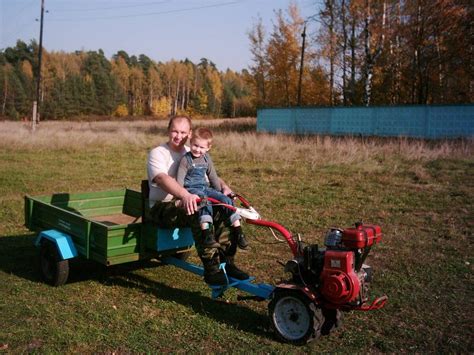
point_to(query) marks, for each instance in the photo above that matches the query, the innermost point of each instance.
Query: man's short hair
(203, 133)
(179, 118)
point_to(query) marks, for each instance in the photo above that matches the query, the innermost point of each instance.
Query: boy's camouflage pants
(167, 215)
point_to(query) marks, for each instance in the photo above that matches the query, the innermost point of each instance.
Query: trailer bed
(105, 226)
(117, 219)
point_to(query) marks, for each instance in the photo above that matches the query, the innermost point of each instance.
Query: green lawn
(424, 203)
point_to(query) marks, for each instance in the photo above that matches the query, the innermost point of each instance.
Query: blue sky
(163, 30)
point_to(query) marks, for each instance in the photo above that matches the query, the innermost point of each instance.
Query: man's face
(199, 147)
(178, 134)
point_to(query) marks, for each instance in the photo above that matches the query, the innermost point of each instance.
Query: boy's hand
(226, 190)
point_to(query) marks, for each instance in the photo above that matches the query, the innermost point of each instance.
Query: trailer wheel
(295, 319)
(54, 271)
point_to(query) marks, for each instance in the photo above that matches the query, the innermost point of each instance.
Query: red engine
(325, 281)
(340, 282)
(344, 278)
(338, 273)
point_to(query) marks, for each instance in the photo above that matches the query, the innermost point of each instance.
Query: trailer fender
(63, 242)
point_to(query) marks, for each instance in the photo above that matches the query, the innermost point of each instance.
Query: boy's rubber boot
(208, 239)
(242, 242)
(238, 236)
(213, 275)
(234, 271)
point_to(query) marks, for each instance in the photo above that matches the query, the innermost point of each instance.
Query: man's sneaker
(235, 272)
(215, 278)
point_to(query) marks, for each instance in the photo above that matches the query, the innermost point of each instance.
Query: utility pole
(36, 104)
(301, 64)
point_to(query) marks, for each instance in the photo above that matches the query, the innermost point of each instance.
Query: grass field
(420, 192)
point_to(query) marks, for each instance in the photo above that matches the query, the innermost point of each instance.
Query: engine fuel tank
(361, 236)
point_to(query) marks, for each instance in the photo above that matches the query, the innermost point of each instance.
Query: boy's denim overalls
(196, 183)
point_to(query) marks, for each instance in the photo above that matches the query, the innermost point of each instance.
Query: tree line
(357, 52)
(87, 83)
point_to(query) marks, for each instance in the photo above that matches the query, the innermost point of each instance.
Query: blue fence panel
(395, 121)
(311, 122)
(277, 120)
(446, 122)
(411, 121)
(347, 120)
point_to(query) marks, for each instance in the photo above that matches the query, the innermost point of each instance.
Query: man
(173, 206)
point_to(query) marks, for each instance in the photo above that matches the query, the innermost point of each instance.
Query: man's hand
(169, 184)
(189, 203)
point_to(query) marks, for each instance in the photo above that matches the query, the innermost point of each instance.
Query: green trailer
(106, 227)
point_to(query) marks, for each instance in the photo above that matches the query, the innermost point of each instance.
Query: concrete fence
(437, 121)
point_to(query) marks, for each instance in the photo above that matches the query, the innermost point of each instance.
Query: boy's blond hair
(203, 133)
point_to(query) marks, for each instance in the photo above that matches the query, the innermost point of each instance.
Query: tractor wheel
(294, 317)
(54, 271)
(332, 320)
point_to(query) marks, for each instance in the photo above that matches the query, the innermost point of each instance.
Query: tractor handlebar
(251, 216)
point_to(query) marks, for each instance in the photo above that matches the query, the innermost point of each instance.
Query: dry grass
(238, 137)
(342, 149)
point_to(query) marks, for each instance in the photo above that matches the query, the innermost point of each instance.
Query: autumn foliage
(357, 52)
(366, 52)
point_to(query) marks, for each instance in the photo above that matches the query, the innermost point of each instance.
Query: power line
(113, 7)
(147, 14)
(24, 25)
(18, 30)
(28, 4)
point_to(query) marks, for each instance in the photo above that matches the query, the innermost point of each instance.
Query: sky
(162, 30)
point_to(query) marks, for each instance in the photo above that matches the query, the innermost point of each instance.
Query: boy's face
(199, 147)
(178, 134)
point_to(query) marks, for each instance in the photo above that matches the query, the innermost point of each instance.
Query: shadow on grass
(235, 315)
(18, 256)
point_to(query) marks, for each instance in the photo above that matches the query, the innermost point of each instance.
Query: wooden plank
(117, 219)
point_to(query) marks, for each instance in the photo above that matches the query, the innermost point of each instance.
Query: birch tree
(373, 46)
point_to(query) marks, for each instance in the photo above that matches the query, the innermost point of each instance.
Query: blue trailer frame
(66, 250)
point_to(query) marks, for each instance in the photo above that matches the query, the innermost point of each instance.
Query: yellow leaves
(216, 83)
(27, 69)
(161, 106)
(121, 71)
(121, 111)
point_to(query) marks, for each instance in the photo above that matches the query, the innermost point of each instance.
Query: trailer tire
(294, 317)
(54, 270)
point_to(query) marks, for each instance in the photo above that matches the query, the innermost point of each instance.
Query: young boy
(197, 174)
